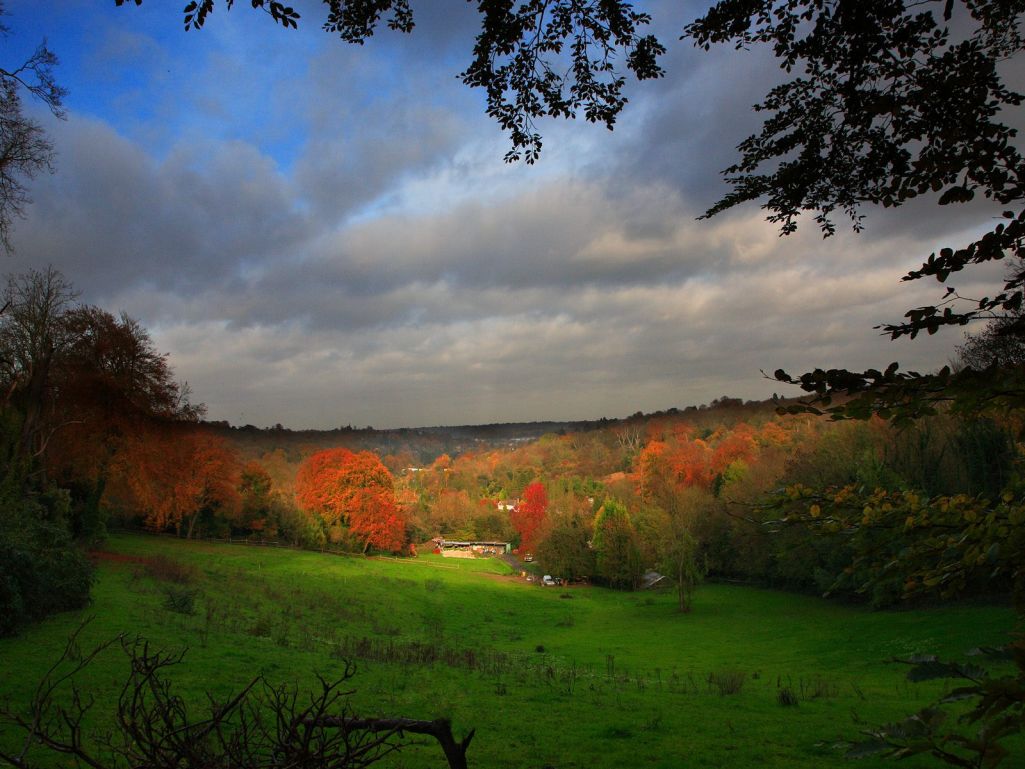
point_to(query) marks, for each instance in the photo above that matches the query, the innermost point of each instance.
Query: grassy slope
(578, 677)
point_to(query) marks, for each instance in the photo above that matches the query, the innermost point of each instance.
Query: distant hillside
(421, 445)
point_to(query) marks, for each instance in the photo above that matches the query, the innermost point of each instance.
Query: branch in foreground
(262, 726)
(440, 729)
(904, 396)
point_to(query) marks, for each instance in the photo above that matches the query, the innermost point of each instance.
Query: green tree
(617, 557)
(566, 549)
(678, 548)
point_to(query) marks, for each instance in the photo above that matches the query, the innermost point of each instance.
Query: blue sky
(321, 234)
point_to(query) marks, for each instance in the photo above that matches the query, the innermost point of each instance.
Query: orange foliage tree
(354, 489)
(172, 474)
(663, 466)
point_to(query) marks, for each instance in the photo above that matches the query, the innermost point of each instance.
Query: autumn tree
(109, 383)
(452, 514)
(354, 490)
(173, 474)
(79, 372)
(528, 516)
(315, 490)
(77, 384)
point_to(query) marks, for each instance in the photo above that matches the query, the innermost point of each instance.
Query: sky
(320, 234)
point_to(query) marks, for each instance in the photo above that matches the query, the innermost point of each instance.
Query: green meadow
(548, 677)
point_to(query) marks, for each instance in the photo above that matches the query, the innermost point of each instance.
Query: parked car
(547, 580)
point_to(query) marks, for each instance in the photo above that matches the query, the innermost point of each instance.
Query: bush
(41, 572)
(41, 569)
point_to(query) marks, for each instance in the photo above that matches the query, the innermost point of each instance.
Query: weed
(180, 600)
(727, 681)
(433, 585)
(819, 689)
(381, 628)
(281, 637)
(261, 627)
(785, 696)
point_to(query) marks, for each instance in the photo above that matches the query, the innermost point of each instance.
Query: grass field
(549, 677)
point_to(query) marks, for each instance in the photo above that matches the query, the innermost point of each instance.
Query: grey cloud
(398, 274)
(112, 216)
(561, 353)
(372, 123)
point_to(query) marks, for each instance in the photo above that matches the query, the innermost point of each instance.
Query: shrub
(180, 600)
(41, 571)
(165, 569)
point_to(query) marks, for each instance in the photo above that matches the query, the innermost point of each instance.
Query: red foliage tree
(529, 515)
(356, 490)
(315, 489)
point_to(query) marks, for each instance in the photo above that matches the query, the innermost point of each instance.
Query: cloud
(114, 217)
(344, 245)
